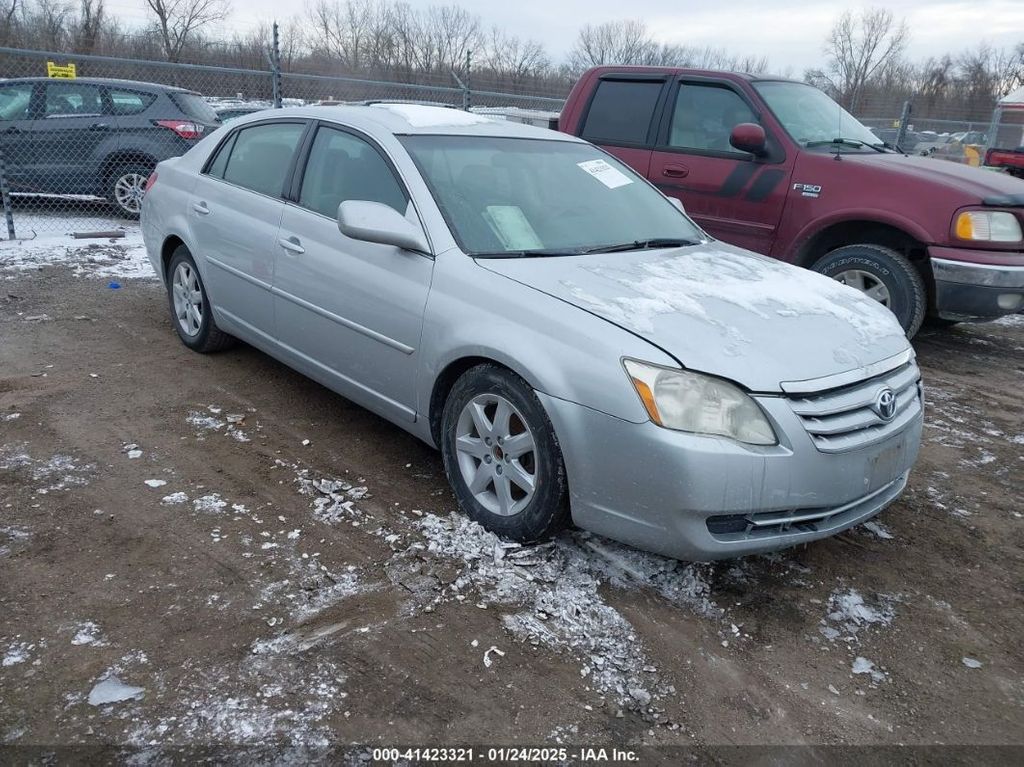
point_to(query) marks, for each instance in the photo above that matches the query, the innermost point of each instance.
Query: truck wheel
(502, 457)
(126, 186)
(884, 275)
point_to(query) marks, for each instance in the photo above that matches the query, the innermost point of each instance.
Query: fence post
(467, 93)
(275, 67)
(904, 119)
(993, 131)
(5, 195)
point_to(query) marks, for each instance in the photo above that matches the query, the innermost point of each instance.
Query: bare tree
(857, 48)
(86, 31)
(178, 21)
(514, 60)
(614, 42)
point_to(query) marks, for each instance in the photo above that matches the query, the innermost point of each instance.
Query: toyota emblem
(885, 404)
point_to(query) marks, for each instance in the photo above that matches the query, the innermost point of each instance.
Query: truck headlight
(700, 404)
(987, 226)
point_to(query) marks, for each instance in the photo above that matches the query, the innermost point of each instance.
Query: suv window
(704, 117)
(14, 101)
(621, 111)
(345, 167)
(72, 100)
(261, 155)
(193, 106)
(130, 102)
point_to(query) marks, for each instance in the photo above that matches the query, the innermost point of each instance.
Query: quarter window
(621, 111)
(345, 167)
(14, 101)
(261, 156)
(704, 117)
(130, 102)
(72, 100)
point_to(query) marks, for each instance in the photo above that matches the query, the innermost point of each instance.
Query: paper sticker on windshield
(605, 173)
(512, 228)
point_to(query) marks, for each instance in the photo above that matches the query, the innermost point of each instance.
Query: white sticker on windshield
(512, 228)
(605, 173)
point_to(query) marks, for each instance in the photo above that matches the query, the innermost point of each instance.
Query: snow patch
(422, 116)
(849, 613)
(88, 633)
(123, 258)
(113, 690)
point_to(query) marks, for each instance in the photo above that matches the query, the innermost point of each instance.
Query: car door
(15, 129)
(74, 132)
(234, 214)
(349, 313)
(735, 196)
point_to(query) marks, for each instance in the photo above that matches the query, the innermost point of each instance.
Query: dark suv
(95, 137)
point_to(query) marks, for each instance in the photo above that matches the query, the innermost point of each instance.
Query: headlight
(685, 401)
(987, 226)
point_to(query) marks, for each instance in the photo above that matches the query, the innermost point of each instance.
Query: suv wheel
(502, 457)
(127, 186)
(884, 275)
(191, 312)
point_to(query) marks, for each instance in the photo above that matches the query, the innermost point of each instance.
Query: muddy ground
(226, 552)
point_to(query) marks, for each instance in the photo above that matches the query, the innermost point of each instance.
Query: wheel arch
(861, 230)
(170, 244)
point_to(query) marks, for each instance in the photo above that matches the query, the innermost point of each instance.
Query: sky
(789, 32)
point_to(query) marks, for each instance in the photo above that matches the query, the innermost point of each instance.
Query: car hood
(722, 310)
(974, 184)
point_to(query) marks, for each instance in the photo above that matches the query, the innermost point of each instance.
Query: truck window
(704, 116)
(621, 111)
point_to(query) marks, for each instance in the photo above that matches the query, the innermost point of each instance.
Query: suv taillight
(150, 181)
(184, 128)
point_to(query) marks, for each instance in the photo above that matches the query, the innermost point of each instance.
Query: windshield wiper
(538, 253)
(655, 242)
(846, 142)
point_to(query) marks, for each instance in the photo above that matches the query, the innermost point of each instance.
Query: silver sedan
(574, 344)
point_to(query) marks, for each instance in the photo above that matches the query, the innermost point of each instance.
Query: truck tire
(502, 457)
(882, 274)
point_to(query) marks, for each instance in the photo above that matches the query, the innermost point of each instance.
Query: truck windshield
(506, 197)
(811, 117)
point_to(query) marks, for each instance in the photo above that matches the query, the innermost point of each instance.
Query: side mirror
(749, 137)
(376, 222)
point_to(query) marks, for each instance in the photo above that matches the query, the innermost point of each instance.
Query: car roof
(411, 119)
(610, 69)
(131, 84)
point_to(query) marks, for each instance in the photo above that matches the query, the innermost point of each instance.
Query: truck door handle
(200, 208)
(292, 245)
(675, 171)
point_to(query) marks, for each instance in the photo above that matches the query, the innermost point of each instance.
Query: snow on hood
(723, 310)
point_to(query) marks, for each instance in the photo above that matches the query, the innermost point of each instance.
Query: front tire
(191, 312)
(502, 457)
(883, 274)
(126, 186)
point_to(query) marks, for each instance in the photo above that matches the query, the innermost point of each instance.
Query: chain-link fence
(80, 134)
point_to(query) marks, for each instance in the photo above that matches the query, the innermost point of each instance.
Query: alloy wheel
(866, 283)
(129, 190)
(188, 299)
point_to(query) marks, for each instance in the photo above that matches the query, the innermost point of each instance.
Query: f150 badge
(807, 190)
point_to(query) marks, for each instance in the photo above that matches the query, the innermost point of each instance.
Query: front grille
(844, 419)
(769, 524)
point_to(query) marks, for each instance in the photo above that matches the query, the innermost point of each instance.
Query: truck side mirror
(749, 137)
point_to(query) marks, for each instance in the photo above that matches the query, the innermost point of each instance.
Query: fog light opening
(1010, 302)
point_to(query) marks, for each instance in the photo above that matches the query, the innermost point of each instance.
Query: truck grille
(844, 419)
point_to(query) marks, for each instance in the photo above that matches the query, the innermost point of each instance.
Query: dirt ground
(226, 552)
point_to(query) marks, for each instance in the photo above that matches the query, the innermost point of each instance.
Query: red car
(776, 166)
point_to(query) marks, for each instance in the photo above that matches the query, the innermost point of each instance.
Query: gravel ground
(200, 550)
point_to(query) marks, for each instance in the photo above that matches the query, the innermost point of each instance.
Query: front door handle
(99, 127)
(292, 245)
(675, 171)
(200, 208)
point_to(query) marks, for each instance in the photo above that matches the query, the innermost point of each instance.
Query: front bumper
(665, 491)
(975, 291)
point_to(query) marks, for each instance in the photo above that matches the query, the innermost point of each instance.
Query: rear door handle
(99, 126)
(200, 208)
(675, 171)
(292, 245)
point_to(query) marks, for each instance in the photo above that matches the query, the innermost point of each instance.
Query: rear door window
(343, 167)
(262, 155)
(621, 111)
(72, 100)
(130, 102)
(15, 100)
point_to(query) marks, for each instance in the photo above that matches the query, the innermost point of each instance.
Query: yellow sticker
(65, 71)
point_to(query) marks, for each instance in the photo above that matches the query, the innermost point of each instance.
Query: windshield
(534, 196)
(809, 116)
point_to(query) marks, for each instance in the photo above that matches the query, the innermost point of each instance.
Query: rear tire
(126, 186)
(882, 274)
(191, 311)
(502, 457)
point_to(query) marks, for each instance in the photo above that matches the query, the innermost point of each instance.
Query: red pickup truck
(776, 166)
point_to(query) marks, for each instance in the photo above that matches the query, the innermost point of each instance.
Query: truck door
(733, 195)
(620, 117)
